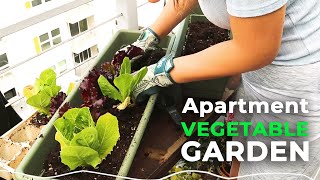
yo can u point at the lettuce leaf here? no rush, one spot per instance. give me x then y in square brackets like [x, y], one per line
[84, 143]
[108, 134]
[108, 89]
[75, 156]
[41, 102]
[87, 138]
[138, 77]
[44, 89]
[125, 66]
[84, 119]
[125, 84]
[71, 114]
[47, 78]
[65, 127]
[62, 140]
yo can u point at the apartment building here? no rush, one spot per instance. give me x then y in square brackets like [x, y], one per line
[58, 34]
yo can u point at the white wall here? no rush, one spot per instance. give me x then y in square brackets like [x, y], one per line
[16, 11]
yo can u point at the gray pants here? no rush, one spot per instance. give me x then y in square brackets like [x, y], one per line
[283, 83]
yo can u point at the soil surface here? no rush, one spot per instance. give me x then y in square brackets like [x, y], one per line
[128, 122]
[202, 35]
[150, 57]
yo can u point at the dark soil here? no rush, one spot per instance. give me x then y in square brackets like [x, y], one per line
[150, 57]
[128, 122]
[202, 35]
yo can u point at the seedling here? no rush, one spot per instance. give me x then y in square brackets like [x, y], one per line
[44, 89]
[124, 84]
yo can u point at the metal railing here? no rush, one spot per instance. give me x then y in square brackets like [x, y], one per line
[50, 49]
[63, 42]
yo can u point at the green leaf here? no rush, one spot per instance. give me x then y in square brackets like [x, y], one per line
[89, 146]
[108, 133]
[44, 89]
[138, 77]
[62, 140]
[41, 102]
[71, 114]
[51, 91]
[38, 86]
[107, 89]
[124, 83]
[48, 77]
[87, 138]
[65, 127]
[75, 156]
[84, 119]
[125, 66]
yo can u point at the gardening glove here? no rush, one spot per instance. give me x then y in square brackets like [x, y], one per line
[148, 40]
[157, 77]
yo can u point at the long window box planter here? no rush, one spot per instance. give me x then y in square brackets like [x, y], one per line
[33, 162]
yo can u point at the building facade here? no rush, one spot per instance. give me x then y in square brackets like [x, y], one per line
[57, 34]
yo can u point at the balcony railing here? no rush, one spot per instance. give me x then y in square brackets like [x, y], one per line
[119, 17]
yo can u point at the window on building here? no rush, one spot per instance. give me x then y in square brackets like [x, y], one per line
[78, 27]
[50, 39]
[3, 60]
[38, 2]
[10, 94]
[62, 66]
[84, 55]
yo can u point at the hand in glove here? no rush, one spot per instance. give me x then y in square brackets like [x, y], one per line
[157, 76]
[148, 40]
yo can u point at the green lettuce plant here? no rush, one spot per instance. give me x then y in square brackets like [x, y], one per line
[124, 84]
[44, 89]
[84, 142]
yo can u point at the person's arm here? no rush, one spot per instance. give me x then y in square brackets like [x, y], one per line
[171, 17]
[255, 44]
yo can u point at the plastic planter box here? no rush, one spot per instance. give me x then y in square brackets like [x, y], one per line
[32, 164]
[212, 89]
[197, 10]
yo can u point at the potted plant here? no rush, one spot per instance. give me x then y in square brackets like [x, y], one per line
[90, 94]
[196, 33]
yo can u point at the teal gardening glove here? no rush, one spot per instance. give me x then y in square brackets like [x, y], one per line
[148, 40]
[157, 77]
